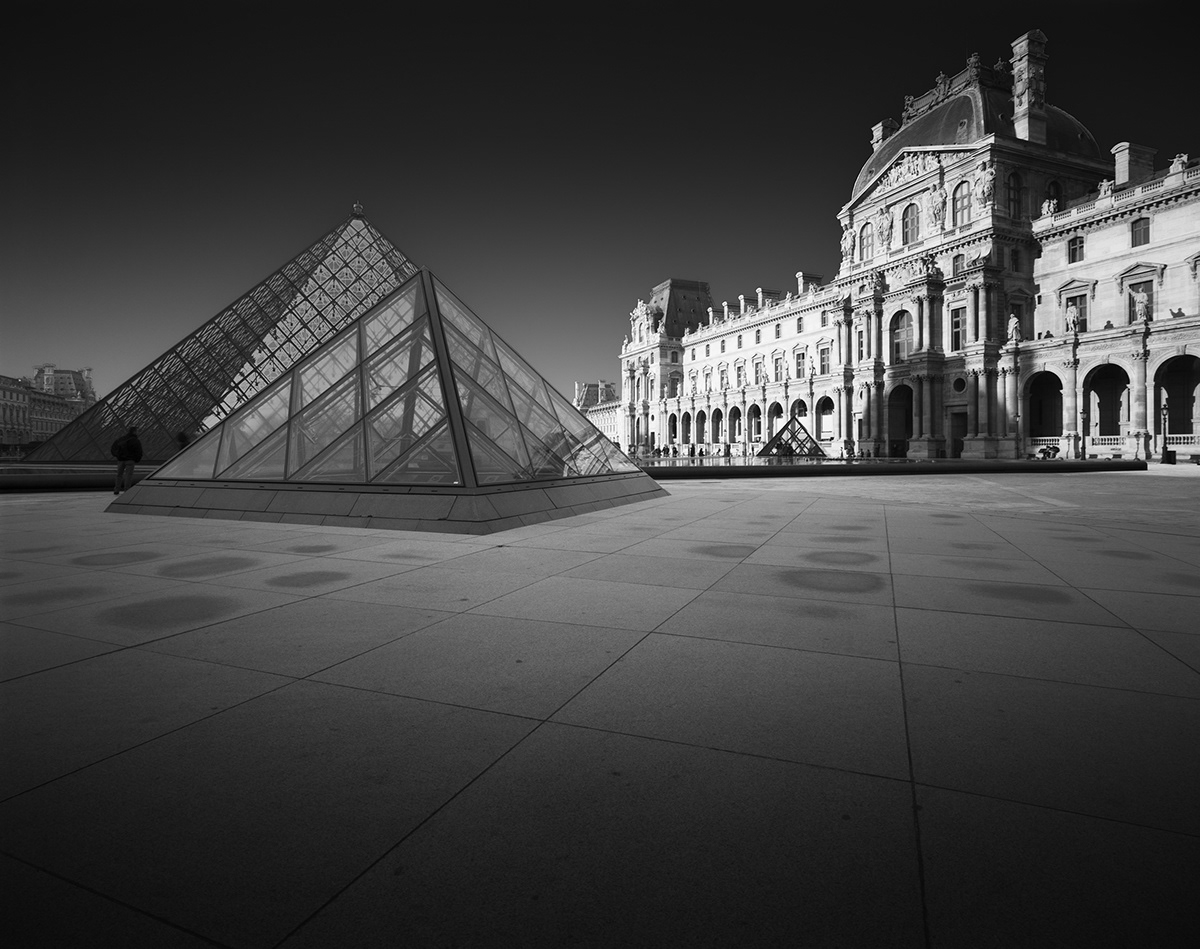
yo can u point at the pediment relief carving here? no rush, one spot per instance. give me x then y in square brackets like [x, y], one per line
[1142, 270]
[1074, 288]
[909, 166]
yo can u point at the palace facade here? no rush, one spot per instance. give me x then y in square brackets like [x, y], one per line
[1005, 286]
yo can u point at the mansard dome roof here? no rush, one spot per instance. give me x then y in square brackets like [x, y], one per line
[965, 118]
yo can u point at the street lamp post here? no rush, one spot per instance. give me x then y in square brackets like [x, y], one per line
[1165, 416]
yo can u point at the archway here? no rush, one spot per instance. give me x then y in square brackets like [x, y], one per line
[687, 428]
[735, 424]
[825, 424]
[1106, 403]
[1045, 406]
[754, 418]
[701, 427]
[899, 421]
[774, 413]
[672, 429]
[799, 409]
[1178, 379]
[718, 433]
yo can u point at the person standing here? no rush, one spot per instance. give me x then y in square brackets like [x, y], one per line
[128, 451]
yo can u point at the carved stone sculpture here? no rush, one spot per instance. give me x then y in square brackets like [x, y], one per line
[937, 207]
[1106, 188]
[1014, 328]
[1072, 318]
[883, 228]
[847, 242]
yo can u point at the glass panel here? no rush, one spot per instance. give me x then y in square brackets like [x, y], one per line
[327, 368]
[404, 421]
[492, 466]
[74, 441]
[464, 320]
[389, 319]
[198, 461]
[394, 367]
[540, 422]
[344, 462]
[432, 461]
[490, 420]
[253, 423]
[263, 462]
[323, 422]
[519, 371]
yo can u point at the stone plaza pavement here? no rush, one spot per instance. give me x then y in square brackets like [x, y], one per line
[880, 712]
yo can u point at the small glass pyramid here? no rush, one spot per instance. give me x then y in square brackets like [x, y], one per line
[792, 441]
[242, 350]
[415, 391]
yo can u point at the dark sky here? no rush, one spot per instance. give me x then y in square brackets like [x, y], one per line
[551, 168]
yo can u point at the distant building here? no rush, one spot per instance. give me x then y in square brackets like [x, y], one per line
[30, 413]
[1005, 287]
[74, 385]
[602, 404]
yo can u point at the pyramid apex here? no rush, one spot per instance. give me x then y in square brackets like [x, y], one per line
[357, 210]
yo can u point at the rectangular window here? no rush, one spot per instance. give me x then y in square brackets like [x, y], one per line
[1076, 311]
[739, 340]
[779, 369]
[708, 382]
[724, 378]
[1139, 231]
[722, 345]
[1141, 301]
[800, 365]
[824, 361]
[958, 328]
[861, 345]
[957, 264]
[674, 357]
[758, 374]
[1075, 250]
[799, 324]
[824, 319]
[778, 330]
[741, 376]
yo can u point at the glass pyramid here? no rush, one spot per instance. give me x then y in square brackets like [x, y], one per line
[243, 350]
[415, 390]
[792, 441]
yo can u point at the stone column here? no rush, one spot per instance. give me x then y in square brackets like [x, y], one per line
[918, 406]
[868, 417]
[921, 334]
[929, 383]
[986, 315]
[876, 394]
[877, 329]
[973, 314]
[973, 403]
[1070, 399]
[989, 401]
[848, 431]
[1139, 391]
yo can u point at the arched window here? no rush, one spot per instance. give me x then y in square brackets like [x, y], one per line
[799, 324]
[962, 204]
[866, 243]
[779, 328]
[706, 351]
[1014, 196]
[1054, 193]
[910, 225]
[758, 336]
[902, 336]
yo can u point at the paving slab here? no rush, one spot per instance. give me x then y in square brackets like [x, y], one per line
[242, 826]
[586, 838]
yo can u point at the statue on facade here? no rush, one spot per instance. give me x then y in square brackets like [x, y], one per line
[1049, 206]
[1106, 187]
[941, 86]
[883, 228]
[985, 183]
[937, 207]
[1072, 318]
[1014, 328]
[910, 109]
[1179, 162]
[973, 65]
[847, 242]
[1141, 305]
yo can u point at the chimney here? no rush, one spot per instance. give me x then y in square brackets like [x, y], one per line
[1029, 87]
[882, 131]
[1134, 163]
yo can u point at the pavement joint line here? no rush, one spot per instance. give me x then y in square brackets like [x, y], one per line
[1064, 682]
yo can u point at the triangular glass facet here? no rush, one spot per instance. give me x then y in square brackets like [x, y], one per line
[433, 461]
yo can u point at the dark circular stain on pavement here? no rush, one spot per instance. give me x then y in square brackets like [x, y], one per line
[832, 581]
[307, 578]
[206, 566]
[115, 558]
[725, 550]
[191, 608]
[841, 558]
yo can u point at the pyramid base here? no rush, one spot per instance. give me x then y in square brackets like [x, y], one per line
[445, 510]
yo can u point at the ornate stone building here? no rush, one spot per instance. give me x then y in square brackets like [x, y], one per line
[1005, 286]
